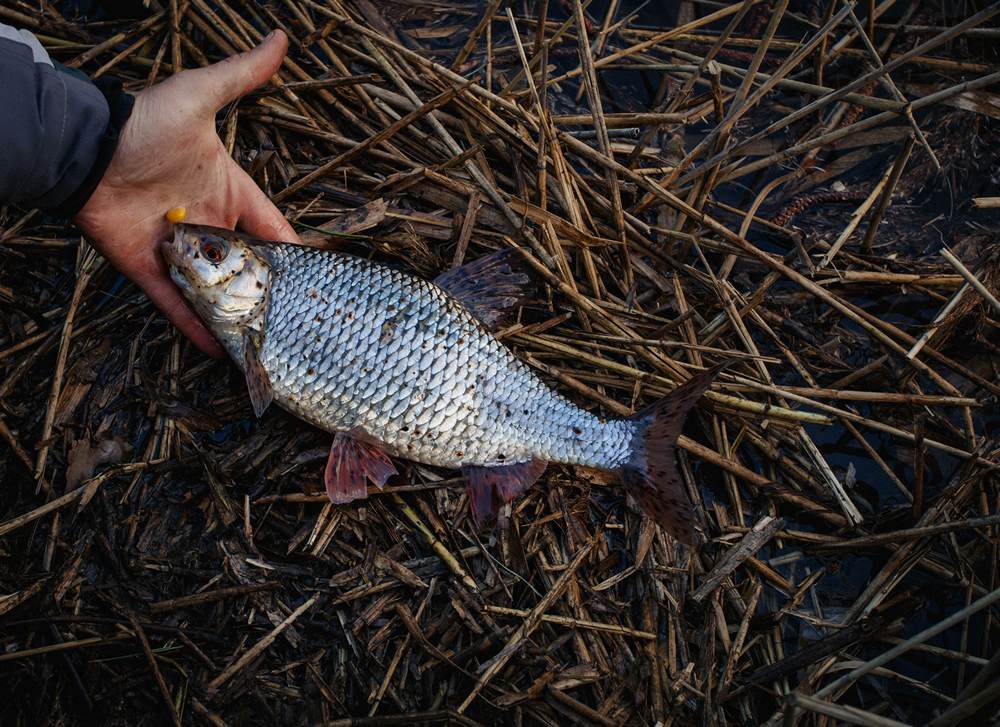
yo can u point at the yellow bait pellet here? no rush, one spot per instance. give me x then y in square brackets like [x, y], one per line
[176, 214]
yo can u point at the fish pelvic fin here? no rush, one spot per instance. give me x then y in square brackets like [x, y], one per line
[489, 487]
[650, 474]
[351, 464]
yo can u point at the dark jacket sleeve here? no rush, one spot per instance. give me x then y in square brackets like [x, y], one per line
[58, 130]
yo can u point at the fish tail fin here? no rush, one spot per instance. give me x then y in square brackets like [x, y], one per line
[650, 473]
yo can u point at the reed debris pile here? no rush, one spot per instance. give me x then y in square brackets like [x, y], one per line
[807, 189]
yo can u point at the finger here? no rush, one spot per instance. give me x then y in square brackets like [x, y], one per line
[259, 217]
[169, 300]
[224, 82]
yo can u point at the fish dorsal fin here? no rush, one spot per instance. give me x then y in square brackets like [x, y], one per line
[258, 382]
[491, 287]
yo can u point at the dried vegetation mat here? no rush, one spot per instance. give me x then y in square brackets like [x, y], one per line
[808, 189]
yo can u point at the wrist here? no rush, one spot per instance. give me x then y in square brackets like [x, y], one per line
[120, 106]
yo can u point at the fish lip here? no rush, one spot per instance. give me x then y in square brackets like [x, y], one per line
[170, 252]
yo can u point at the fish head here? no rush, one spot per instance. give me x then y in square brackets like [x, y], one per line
[223, 274]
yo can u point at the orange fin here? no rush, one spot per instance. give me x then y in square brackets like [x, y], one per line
[491, 287]
[351, 464]
[489, 487]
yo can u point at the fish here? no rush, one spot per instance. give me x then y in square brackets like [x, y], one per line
[394, 365]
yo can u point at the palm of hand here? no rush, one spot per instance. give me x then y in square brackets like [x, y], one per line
[170, 155]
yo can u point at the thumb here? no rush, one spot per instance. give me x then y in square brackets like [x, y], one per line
[258, 216]
[224, 82]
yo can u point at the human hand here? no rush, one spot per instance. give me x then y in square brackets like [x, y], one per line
[169, 155]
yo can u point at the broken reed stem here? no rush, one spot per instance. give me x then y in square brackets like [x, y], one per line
[743, 244]
[869, 43]
[257, 649]
[176, 604]
[84, 491]
[573, 622]
[933, 326]
[970, 278]
[470, 43]
[985, 203]
[83, 277]
[655, 40]
[902, 648]
[733, 171]
[384, 135]
[531, 622]
[887, 191]
[913, 533]
[436, 544]
[64, 646]
[154, 667]
[873, 75]
[844, 713]
[856, 218]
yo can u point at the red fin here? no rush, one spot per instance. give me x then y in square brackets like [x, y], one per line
[351, 464]
[258, 382]
[488, 487]
[651, 474]
[491, 287]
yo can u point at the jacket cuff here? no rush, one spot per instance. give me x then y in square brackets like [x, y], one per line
[120, 106]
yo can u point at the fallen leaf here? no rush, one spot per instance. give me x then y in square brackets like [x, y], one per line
[85, 457]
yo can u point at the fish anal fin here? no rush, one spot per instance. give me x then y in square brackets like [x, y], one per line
[491, 287]
[351, 464]
[489, 487]
[258, 382]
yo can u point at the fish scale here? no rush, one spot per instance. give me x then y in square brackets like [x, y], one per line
[351, 345]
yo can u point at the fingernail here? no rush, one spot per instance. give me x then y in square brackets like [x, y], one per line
[270, 35]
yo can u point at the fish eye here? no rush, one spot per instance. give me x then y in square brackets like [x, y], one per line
[214, 250]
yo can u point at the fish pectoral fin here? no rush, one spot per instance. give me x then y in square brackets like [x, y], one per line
[351, 464]
[258, 382]
[488, 487]
[490, 287]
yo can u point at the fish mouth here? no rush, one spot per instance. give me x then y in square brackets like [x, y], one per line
[176, 248]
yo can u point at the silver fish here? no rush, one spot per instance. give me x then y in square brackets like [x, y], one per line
[391, 363]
